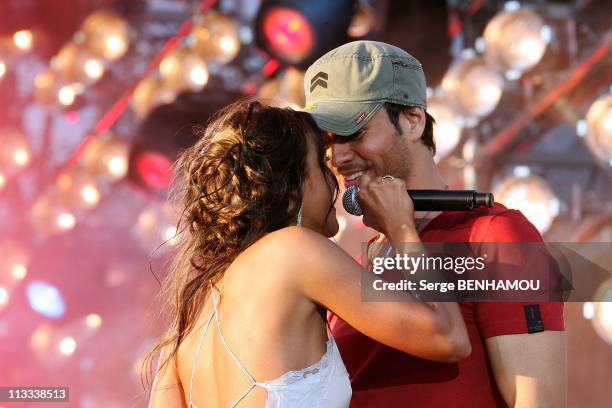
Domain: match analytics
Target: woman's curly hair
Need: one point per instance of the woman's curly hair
(241, 180)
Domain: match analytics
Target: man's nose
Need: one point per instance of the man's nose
(341, 154)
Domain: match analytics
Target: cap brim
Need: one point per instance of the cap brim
(342, 118)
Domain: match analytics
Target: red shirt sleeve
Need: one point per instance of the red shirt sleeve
(501, 318)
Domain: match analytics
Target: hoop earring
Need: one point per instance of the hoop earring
(299, 216)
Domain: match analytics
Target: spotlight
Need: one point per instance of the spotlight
(156, 224)
(67, 345)
(532, 196)
(473, 88)
(516, 40)
(52, 214)
(168, 130)
(363, 20)
(45, 299)
(599, 129)
(13, 264)
(107, 156)
(15, 153)
(215, 38)
(602, 316)
(183, 70)
(286, 90)
(23, 40)
(76, 63)
(447, 130)
(298, 32)
(150, 93)
(106, 34)
(52, 90)
(4, 297)
(79, 188)
(2, 69)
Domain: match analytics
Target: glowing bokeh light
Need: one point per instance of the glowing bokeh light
(23, 39)
(531, 195)
(447, 129)
(19, 271)
(472, 88)
(93, 320)
(515, 40)
(66, 95)
(4, 296)
(215, 38)
(67, 346)
(66, 220)
(599, 128)
(288, 33)
(45, 299)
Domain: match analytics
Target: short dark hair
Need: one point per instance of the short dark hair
(393, 112)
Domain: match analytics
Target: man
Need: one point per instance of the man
(370, 99)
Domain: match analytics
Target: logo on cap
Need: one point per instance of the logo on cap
(360, 118)
(319, 80)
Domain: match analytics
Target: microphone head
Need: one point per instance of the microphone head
(350, 201)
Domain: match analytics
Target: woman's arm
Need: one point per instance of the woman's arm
(329, 276)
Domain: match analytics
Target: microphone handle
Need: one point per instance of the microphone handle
(449, 200)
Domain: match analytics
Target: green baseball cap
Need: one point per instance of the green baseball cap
(348, 85)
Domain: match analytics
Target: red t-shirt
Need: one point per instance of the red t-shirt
(385, 377)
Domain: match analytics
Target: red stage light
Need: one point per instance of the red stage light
(288, 33)
(154, 169)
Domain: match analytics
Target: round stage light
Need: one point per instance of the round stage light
(599, 129)
(150, 93)
(45, 299)
(107, 156)
(531, 195)
(182, 70)
(289, 34)
(4, 297)
(23, 40)
(602, 316)
(13, 263)
(93, 320)
(15, 153)
(448, 126)
(106, 34)
(51, 89)
(67, 345)
(472, 87)
(363, 21)
(2, 69)
(286, 90)
(215, 38)
(154, 226)
(52, 214)
(297, 32)
(153, 169)
(78, 187)
(515, 40)
(75, 63)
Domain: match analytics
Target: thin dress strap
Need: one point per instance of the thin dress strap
(195, 361)
(215, 313)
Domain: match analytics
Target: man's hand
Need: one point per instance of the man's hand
(387, 207)
(530, 368)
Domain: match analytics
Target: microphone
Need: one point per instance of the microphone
(428, 200)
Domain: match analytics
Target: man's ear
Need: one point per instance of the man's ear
(412, 122)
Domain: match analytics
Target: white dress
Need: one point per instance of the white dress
(323, 384)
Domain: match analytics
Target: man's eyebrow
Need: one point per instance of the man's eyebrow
(334, 138)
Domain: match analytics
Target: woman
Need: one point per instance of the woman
(257, 273)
